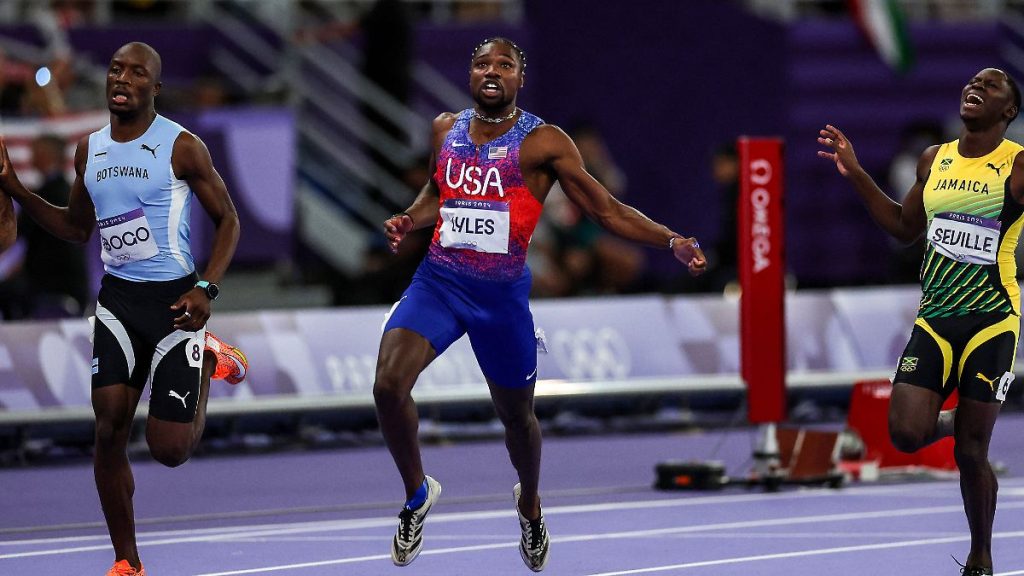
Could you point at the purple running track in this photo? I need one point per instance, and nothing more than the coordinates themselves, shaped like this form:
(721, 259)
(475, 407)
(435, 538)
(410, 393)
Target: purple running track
(334, 512)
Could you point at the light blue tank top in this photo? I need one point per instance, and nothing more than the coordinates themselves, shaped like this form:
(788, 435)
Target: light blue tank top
(142, 209)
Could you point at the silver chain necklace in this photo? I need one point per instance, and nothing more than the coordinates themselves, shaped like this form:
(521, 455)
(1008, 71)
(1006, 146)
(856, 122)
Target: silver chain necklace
(483, 118)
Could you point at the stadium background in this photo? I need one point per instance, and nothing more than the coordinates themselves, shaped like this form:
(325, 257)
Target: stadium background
(316, 114)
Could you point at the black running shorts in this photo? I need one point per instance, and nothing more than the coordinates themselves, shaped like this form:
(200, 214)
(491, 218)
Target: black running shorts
(135, 343)
(974, 353)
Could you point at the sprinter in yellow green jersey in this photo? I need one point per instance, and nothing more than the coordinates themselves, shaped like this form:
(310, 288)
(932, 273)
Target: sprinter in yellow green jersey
(968, 201)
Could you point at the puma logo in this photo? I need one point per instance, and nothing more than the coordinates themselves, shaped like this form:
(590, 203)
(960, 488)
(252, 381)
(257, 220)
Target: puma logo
(991, 383)
(174, 394)
(153, 152)
(993, 166)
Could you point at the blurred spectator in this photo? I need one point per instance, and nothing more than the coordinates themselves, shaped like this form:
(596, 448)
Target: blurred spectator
(475, 11)
(51, 27)
(385, 275)
(76, 93)
(387, 62)
(723, 255)
(73, 13)
(56, 90)
(156, 10)
(386, 35)
(572, 255)
(53, 278)
(209, 92)
(12, 89)
(905, 259)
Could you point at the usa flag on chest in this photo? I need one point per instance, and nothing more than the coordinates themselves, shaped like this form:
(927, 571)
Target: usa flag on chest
(497, 152)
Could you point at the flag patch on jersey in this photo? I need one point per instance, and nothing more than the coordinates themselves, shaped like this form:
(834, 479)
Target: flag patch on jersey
(497, 152)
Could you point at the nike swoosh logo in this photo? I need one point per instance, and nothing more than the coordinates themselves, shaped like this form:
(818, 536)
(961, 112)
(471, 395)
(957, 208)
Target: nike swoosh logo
(457, 144)
(532, 374)
(240, 366)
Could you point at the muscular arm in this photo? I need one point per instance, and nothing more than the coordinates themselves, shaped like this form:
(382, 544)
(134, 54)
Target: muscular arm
(550, 147)
(192, 163)
(426, 208)
(73, 223)
(906, 222)
(549, 154)
(1017, 178)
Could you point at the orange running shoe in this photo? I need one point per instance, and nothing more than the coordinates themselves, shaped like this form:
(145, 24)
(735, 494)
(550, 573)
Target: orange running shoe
(231, 362)
(123, 568)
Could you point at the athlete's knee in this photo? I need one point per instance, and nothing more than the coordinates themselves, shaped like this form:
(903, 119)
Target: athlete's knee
(391, 389)
(112, 432)
(907, 437)
(170, 454)
(517, 420)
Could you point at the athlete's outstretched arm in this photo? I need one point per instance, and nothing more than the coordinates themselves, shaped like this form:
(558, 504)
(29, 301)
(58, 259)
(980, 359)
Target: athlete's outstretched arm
(73, 223)
(905, 222)
(425, 209)
(191, 162)
(556, 150)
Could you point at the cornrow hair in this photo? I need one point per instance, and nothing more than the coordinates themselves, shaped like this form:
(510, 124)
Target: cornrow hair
(500, 39)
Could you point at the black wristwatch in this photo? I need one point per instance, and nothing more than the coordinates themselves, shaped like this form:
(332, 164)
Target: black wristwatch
(211, 289)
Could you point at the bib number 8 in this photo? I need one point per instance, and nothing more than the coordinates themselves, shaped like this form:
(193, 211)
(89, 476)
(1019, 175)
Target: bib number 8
(194, 349)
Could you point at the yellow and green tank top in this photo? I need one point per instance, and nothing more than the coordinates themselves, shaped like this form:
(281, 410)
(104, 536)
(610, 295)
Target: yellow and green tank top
(973, 227)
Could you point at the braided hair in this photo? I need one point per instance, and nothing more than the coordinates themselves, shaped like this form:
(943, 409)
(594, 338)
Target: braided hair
(502, 40)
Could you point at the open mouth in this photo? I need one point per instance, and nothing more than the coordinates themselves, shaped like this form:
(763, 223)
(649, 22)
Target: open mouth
(118, 97)
(490, 88)
(973, 100)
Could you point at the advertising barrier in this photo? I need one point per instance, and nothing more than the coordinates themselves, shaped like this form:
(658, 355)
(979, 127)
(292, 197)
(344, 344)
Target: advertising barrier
(324, 358)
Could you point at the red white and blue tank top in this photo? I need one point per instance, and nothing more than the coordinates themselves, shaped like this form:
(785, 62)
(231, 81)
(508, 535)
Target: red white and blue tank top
(488, 215)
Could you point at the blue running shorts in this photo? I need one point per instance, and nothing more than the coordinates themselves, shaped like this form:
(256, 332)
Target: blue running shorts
(442, 305)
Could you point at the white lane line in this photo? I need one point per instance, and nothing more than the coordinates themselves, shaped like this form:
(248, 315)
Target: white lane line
(217, 535)
(769, 535)
(340, 561)
(141, 535)
(802, 553)
(660, 532)
(363, 523)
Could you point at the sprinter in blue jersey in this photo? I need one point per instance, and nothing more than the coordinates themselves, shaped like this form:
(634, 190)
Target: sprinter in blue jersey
(492, 166)
(135, 179)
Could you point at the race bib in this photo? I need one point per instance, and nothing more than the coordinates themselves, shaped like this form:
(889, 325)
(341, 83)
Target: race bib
(1004, 386)
(126, 238)
(194, 348)
(965, 238)
(480, 225)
